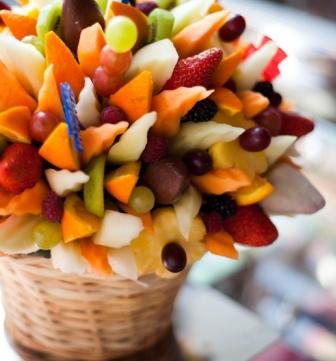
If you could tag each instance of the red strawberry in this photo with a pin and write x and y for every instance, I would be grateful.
(251, 226)
(195, 70)
(20, 168)
(294, 124)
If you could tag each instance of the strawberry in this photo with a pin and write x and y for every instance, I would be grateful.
(20, 168)
(195, 70)
(294, 124)
(251, 226)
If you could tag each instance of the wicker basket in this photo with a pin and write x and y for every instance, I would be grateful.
(83, 318)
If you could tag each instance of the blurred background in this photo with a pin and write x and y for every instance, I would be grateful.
(292, 285)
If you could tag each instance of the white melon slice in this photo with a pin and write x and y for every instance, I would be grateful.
(123, 263)
(186, 209)
(133, 142)
(159, 58)
(293, 193)
(189, 12)
(250, 71)
(24, 61)
(118, 229)
(202, 136)
(278, 147)
(88, 106)
(64, 182)
(68, 258)
(16, 234)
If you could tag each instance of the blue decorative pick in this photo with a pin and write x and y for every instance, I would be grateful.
(71, 117)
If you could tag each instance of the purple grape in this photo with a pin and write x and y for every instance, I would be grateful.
(271, 120)
(147, 7)
(232, 29)
(198, 162)
(255, 139)
(174, 257)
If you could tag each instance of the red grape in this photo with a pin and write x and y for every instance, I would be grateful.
(41, 125)
(232, 29)
(115, 63)
(174, 257)
(104, 83)
(271, 120)
(255, 139)
(112, 115)
(198, 162)
(147, 7)
(4, 6)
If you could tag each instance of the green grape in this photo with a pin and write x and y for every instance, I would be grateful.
(3, 143)
(142, 199)
(48, 19)
(161, 24)
(47, 234)
(164, 4)
(121, 34)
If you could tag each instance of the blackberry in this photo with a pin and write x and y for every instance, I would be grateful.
(275, 99)
(42, 253)
(224, 205)
(203, 111)
(265, 88)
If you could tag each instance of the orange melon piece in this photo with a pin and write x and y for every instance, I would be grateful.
(5, 198)
(28, 202)
(172, 105)
(191, 39)
(226, 68)
(139, 18)
(77, 222)
(58, 150)
(91, 42)
(12, 92)
(14, 124)
(253, 103)
(215, 7)
(66, 68)
(96, 256)
(48, 97)
(121, 182)
(219, 181)
(147, 219)
(221, 244)
(97, 140)
(227, 101)
(135, 97)
(19, 25)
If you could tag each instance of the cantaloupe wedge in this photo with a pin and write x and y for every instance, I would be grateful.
(215, 7)
(227, 67)
(221, 244)
(219, 181)
(253, 103)
(147, 219)
(66, 68)
(5, 198)
(77, 222)
(19, 25)
(121, 182)
(28, 202)
(227, 101)
(172, 105)
(191, 39)
(135, 97)
(58, 150)
(48, 97)
(140, 20)
(91, 42)
(14, 124)
(12, 92)
(96, 256)
(97, 140)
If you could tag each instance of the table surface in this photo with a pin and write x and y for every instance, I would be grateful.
(208, 326)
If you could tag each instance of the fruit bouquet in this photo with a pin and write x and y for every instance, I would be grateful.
(134, 138)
